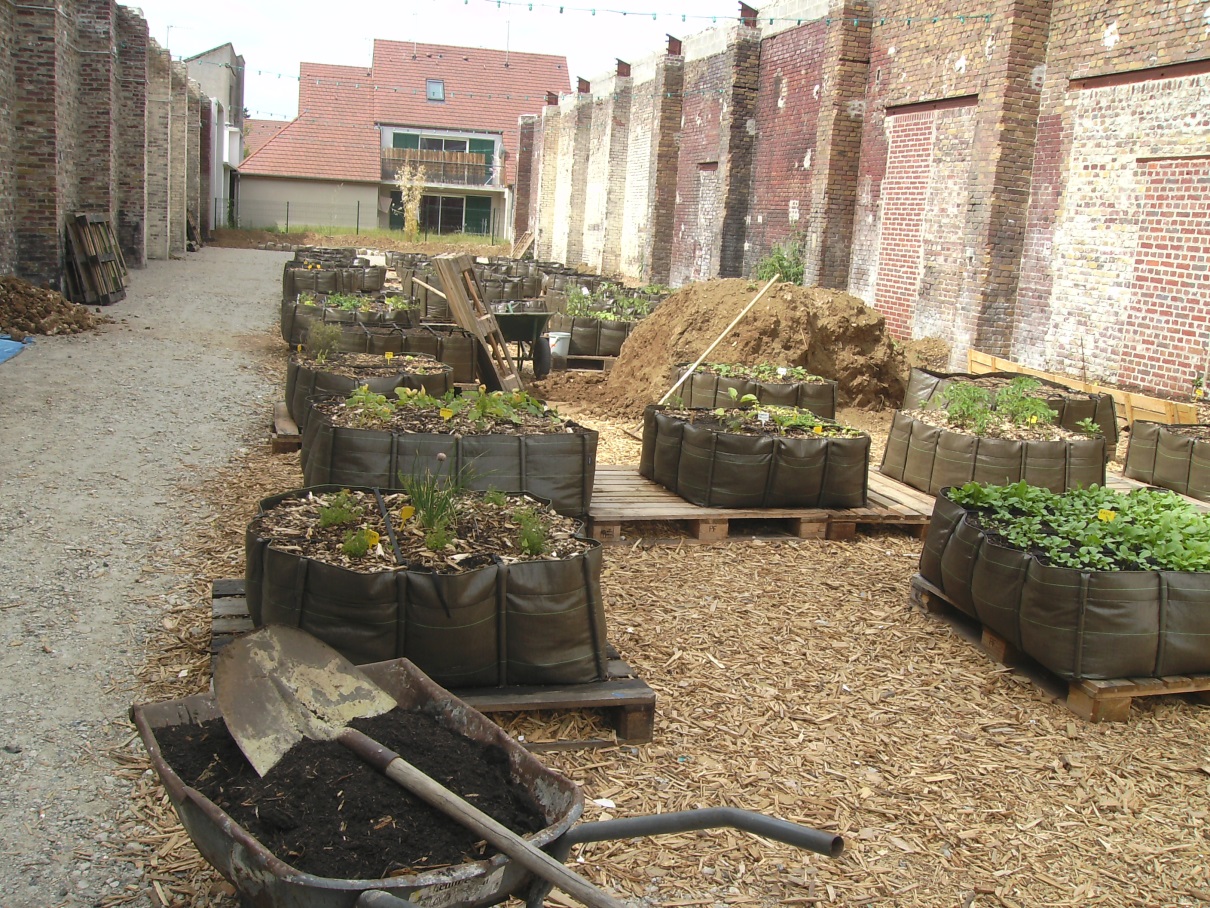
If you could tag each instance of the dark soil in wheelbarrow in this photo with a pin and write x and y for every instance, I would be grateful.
(324, 811)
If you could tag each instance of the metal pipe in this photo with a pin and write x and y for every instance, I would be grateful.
(707, 818)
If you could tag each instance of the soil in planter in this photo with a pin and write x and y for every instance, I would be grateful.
(746, 422)
(367, 365)
(430, 420)
(1201, 433)
(324, 811)
(998, 428)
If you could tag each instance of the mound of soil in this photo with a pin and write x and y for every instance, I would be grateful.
(26, 309)
(827, 332)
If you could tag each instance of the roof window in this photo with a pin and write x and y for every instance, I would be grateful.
(435, 89)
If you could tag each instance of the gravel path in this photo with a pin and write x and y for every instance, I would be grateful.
(98, 430)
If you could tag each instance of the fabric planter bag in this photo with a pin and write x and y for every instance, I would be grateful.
(296, 319)
(705, 389)
(452, 346)
(1077, 623)
(592, 336)
(929, 458)
(1160, 456)
(304, 382)
(537, 622)
(714, 468)
(1072, 406)
(558, 467)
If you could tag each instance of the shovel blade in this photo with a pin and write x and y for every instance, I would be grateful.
(278, 685)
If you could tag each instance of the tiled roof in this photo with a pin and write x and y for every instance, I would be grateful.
(258, 132)
(335, 136)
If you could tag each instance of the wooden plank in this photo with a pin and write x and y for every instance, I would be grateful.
(522, 245)
(465, 299)
(1134, 405)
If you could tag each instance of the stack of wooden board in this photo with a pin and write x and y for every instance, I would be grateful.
(96, 270)
(466, 302)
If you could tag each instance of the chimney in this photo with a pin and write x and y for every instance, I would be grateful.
(623, 68)
(552, 98)
(674, 46)
(747, 15)
(582, 86)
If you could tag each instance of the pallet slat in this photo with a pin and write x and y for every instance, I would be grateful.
(624, 696)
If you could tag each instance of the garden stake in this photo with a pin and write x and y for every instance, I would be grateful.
(386, 518)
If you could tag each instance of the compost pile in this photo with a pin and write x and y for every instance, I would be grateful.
(26, 309)
(827, 332)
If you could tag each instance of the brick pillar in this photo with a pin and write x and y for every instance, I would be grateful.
(581, 140)
(838, 146)
(95, 126)
(552, 129)
(206, 168)
(35, 145)
(741, 141)
(605, 193)
(1005, 134)
(193, 151)
(568, 222)
(159, 174)
(8, 140)
(131, 214)
(527, 127)
(178, 159)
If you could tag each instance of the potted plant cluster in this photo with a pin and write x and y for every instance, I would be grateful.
(787, 386)
(751, 456)
(507, 439)
(1175, 457)
(1090, 582)
(599, 324)
(1005, 436)
(476, 588)
(390, 310)
(1071, 407)
(319, 368)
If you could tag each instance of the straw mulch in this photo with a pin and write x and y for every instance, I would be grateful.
(794, 679)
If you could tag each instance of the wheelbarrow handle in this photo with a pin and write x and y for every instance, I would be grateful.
(706, 818)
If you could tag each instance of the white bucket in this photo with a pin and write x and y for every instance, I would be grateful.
(560, 342)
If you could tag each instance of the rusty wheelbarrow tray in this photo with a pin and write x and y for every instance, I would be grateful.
(264, 881)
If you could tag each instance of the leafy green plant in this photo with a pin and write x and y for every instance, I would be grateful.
(339, 509)
(400, 303)
(368, 408)
(968, 406)
(974, 408)
(357, 543)
(533, 532)
(1089, 426)
(1017, 403)
(435, 495)
(787, 258)
(323, 339)
(1095, 528)
(495, 498)
(347, 302)
(307, 298)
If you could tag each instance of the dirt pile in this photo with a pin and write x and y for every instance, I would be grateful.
(828, 332)
(26, 309)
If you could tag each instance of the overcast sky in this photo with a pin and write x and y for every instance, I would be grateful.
(274, 37)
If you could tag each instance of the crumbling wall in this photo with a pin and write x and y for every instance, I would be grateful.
(8, 176)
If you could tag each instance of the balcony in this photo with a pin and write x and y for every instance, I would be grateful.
(449, 168)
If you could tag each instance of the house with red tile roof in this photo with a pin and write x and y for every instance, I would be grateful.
(448, 112)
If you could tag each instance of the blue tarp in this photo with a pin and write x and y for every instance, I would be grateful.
(10, 348)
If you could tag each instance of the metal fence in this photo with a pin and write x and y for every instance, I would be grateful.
(286, 216)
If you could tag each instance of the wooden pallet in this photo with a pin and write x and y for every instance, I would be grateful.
(286, 437)
(466, 302)
(522, 245)
(621, 496)
(583, 363)
(623, 697)
(1096, 701)
(96, 269)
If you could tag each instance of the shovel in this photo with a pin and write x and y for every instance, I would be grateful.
(279, 685)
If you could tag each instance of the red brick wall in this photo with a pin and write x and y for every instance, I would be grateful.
(1169, 310)
(8, 176)
(95, 128)
(904, 196)
(784, 156)
(525, 168)
(132, 136)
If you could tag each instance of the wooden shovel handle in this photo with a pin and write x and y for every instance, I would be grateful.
(525, 853)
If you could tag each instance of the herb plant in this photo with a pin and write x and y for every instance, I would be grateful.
(532, 538)
(976, 409)
(340, 509)
(323, 339)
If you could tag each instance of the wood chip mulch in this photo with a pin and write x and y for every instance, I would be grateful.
(793, 678)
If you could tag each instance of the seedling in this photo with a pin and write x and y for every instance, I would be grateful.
(340, 509)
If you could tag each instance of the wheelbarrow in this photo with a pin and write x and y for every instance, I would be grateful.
(264, 881)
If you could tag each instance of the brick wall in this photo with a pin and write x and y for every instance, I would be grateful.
(132, 137)
(193, 153)
(552, 131)
(68, 114)
(159, 117)
(714, 169)
(208, 126)
(95, 127)
(652, 145)
(605, 193)
(522, 202)
(8, 176)
(571, 181)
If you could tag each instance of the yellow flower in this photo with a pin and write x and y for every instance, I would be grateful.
(389, 355)
(1032, 420)
(300, 348)
(372, 537)
(1106, 515)
(405, 513)
(483, 389)
(1200, 392)
(446, 413)
(819, 430)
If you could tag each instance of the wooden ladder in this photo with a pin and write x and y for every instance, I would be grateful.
(465, 299)
(522, 245)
